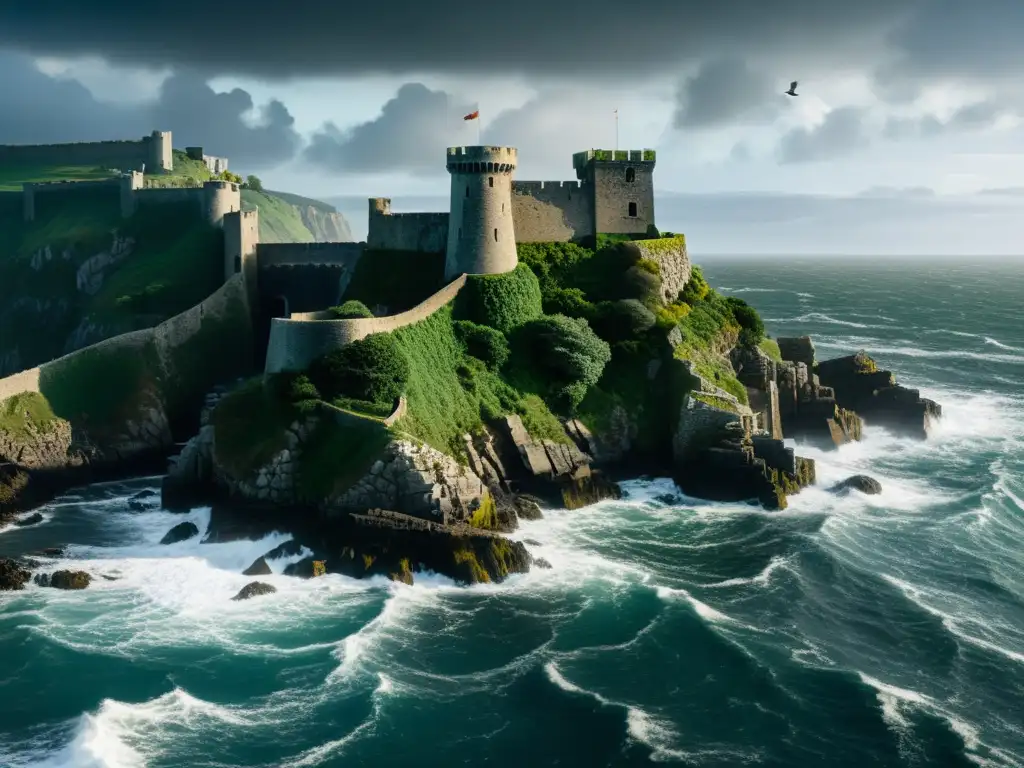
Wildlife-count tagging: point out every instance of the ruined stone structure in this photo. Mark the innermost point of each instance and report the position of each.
(481, 235)
(613, 194)
(214, 164)
(153, 151)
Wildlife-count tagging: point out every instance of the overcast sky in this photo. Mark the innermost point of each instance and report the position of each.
(907, 136)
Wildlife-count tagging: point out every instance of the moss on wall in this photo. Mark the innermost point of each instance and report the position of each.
(398, 280)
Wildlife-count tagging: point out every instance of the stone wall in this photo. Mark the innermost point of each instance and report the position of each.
(699, 426)
(154, 151)
(425, 232)
(673, 262)
(299, 340)
(618, 179)
(293, 254)
(550, 211)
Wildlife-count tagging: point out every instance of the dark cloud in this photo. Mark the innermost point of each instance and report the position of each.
(315, 37)
(841, 133)
(727, 91)
(410, 134)
(977, 116)
(39, 109)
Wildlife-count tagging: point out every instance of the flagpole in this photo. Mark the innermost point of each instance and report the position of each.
(479, 128)
(616, 130)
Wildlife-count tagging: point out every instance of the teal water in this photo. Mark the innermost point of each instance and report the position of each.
(882, 631)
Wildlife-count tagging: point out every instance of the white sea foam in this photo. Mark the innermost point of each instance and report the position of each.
(761, 579)
(46, 514)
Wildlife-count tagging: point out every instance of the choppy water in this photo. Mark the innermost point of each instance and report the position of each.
(883, 631)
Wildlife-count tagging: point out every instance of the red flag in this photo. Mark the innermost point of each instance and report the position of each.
(472, 115)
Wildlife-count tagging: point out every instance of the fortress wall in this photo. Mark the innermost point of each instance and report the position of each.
(305, 287)
(39, 198)
(298, 341)
(280, 254)
(669, 253)
(427, 232)
(546, 211)
(122, 155)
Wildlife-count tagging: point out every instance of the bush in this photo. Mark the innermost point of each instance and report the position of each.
(254, 183)
(567, 301)
(501, 301)
(642, 284)
(751, 326)
(567, 352)
(622, 320)
(293, 388)
(350, 310)
(696, 288)
(483, 343)
(372, 369)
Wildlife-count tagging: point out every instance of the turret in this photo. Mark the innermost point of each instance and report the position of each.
(161, 157)
(622, 183)
(481, 236)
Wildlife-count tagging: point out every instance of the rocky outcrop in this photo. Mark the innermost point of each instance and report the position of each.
(64, 579)
(13, 575)
(863, 483)
(417, 480)
(859, 384)
(259, 567)
(612, 444)
(807, 409)
(180, 532)
(255, 589)
(33, 519)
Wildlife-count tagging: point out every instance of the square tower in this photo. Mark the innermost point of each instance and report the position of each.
(622, 185)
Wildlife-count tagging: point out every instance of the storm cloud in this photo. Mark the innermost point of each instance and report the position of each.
(841, 133)
(40, 109)
(725, 91)
(604, 38)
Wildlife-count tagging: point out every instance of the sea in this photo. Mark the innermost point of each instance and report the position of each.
(844, 631)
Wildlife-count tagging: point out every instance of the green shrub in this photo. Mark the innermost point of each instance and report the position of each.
(501, 301)
(373, 369)
(567, 352)
(567, 301)
(484, 343)
(622, 320)
(771, 348)
(751, 326)
(641, 284)
(351, 309)
(696, 288)
(294, 389)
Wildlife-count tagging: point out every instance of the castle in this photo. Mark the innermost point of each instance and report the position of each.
(614, 194)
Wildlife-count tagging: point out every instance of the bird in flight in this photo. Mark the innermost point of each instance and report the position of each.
(792, 89)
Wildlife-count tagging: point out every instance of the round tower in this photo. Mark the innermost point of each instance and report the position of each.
(219, 198)
(481, 236)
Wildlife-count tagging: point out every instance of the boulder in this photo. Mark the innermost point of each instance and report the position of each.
(540, 562)
(34, 519)
(307, 568)
(290, 548)
(69, 580)
(258, 568)
(180, 532)
(12, 574)
(143, 500)
(527, 508)
(254, 589)
(862, 483)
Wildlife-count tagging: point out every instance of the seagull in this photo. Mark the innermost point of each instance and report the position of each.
(792, 89)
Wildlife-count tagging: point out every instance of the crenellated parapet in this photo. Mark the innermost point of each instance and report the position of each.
(482, 159)
(583, 159)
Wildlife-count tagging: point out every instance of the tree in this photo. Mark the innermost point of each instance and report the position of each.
(254, 183)
(567, 352)
(373, 369)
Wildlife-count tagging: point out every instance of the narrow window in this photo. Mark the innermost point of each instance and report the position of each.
(495, 234)
(632, 209)
(502, 207)
(238, 264)
(630, 175)
(490, 181)
(467, 190)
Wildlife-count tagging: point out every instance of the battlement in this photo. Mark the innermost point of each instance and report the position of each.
(482, 159)
(582, 159)
(228, 185)
(551, 187)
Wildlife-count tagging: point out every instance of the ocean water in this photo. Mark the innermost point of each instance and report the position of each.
(882, 631)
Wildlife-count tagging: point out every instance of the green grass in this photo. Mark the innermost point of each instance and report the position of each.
(294, 199)
(12, 177)
(363, 407)
(335, 457)
(715, 402)
(25, 414)
(186, 173)
(249, 428)
(376, 278)
(280, 222)
(771, 348)
(540, 422)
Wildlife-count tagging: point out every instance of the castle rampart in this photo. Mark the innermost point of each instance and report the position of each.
(214, 164)
(481, 232)
(301, 339)
(424, 232)
(153, 151)
(546, 211)
(621, 185)
(241, 239)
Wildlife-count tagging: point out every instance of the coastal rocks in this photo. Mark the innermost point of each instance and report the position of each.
(258, 568)
(254, 589)
(863, 483)
(33, 519)
(64, 579)
(859, 384)
(13, 575)
(307, 568)
(416, 480)
(180, 532)
(612, 444)
(190, 473)
(90, 275)
(274, 482)
(673, 262)
(143, 500)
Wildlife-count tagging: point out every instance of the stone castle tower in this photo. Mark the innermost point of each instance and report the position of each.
(621, 188)
(481, 235)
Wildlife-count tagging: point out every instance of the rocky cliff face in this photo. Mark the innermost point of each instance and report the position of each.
(327, 227)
